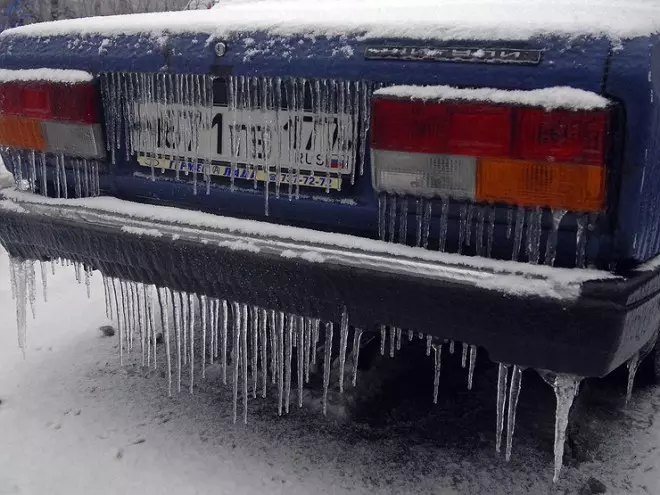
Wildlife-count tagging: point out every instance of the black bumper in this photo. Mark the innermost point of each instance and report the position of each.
(520, 314)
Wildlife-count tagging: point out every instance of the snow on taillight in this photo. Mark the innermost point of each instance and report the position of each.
(50, 110)
(527, 148)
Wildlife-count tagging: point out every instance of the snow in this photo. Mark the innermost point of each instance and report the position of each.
(504, 276)
(74, 422)
(549, 98)
(140, 231)
(49, 75)
(414, 19)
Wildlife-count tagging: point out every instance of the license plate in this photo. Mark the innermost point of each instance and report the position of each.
(219, 170)
(294, 140)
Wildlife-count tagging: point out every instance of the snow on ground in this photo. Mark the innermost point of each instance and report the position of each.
(72, 421)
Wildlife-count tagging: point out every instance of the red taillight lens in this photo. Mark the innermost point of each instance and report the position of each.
(54, 117)
(561, 136)
(547, 158)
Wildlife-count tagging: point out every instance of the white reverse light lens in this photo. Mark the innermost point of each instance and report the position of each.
(422, 174)
(77, 140)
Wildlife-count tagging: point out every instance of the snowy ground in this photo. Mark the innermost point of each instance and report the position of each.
(72, 421)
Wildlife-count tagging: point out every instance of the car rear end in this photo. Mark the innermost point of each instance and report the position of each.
(380, 178)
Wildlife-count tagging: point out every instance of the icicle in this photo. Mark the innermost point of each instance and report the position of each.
(326, 365)
(534, 230)
(464, 355)
(88, 282)
(185, 325)
(479, 235)
(469, 217)
(191, 358)
(19, 269)
(254, 344)
(383, 338)
(392, 340)
(392, 219)
(244, 356)
(31, 287)
(224, 334)
(502, 381)
(419, 206)
(551, 246)
(176, 305)
(491, 231)
(473, 362)
(357, 335)
(273, 347)
(462, 226)
(437, 349)
(288, 361)
(566, 389)
(263, 344)
(403, 221)
(236, 357)
(300, 359)
(514, 393)
(518, 233)
(315, 338)
(203, 305)
(451, 346)
(411, 334)
(280, 360)
(398, 339)
(581, 241)
(307, 326)
(426, 222)
(509, 222)
(120, 326)
(382, 214)
(444, 220)
(429, 342)
(632, 365)
(343, 344)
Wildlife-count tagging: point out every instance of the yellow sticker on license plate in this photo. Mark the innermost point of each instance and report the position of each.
(240, 172)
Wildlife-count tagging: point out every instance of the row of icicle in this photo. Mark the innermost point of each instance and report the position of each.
(255, 347)
(522, 223)
(31, 173)
(139, 104)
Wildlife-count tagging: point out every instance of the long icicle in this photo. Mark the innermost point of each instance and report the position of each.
(280, 360)
(263, 341)
(502, 381)
(288, 361)
(162, 302)
(343, 344)
(357, 335)
(514, 393)
(244, 360)
(300, 359)
(473, 362)
(437, 349)
(327, 360)
(236, 358)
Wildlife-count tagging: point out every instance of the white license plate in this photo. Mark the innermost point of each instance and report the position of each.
(305, 141)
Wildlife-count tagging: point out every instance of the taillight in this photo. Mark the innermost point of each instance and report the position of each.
(497, 153)
(55, 117)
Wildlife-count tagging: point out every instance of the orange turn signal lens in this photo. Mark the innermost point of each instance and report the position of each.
(554, 185)
(22, 133)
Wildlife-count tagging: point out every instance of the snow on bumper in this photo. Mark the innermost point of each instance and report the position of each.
(583, 322)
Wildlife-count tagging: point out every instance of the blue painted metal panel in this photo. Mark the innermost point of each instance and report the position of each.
(630, 80)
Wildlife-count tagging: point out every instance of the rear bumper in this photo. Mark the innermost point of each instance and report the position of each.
(582, 322)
